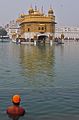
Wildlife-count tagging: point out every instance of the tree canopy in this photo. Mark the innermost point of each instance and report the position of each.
(3, 32)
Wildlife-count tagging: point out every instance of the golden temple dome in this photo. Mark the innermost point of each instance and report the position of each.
(50, 11)
(31, 10)
(22, 15)
(36, 12)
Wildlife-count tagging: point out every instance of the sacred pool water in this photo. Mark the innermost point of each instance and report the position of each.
(46, 77)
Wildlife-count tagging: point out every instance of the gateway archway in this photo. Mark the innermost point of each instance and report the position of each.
(42, 38)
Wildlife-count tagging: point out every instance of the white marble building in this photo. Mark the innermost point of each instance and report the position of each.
(12, 28)
(69, 32)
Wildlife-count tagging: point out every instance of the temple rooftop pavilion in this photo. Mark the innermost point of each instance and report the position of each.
(36, 26)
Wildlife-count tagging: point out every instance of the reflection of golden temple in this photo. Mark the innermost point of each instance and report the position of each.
(35, 59)
(62, 38)
(37, 25)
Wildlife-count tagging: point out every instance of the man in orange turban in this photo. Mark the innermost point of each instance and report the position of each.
(15, 111)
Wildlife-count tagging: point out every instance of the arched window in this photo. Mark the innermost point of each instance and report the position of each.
(28, 29)
(38, 28)
(42, 28)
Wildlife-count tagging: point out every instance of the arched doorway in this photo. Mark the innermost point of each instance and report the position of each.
(42, 38)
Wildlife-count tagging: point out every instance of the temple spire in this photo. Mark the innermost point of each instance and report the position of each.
(35, 8)
(42, 9)
(50, 6)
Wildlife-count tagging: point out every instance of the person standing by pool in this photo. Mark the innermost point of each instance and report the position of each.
(15, 111)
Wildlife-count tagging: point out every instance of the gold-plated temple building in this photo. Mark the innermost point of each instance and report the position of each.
(36, 25)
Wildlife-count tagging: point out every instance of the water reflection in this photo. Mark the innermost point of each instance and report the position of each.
(37, 59)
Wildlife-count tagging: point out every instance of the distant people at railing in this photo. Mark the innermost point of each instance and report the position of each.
(66, 38)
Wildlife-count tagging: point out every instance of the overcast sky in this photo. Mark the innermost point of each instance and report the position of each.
(66, 11)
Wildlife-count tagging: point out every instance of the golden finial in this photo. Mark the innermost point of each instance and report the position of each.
(42, 9)
(50, 7)
(35, 8)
